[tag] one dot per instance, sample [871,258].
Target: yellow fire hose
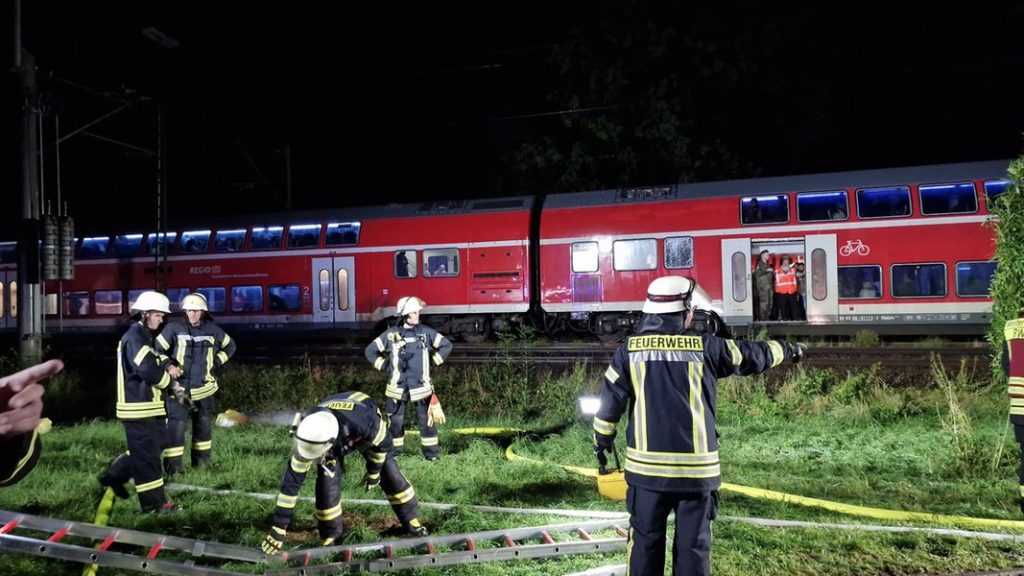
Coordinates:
[102,519]
[613,487]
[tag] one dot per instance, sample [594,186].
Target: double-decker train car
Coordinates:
[902,250]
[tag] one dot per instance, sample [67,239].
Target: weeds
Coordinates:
[866,339]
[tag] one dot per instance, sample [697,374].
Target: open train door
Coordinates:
[737,299]
[334,291]
[8,299]
[822,279]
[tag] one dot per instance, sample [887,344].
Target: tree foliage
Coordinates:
[635,86]
[1008,283]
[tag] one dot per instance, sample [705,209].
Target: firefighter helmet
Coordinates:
[316,434]
[669,294]
[194,302]
[408,305]
[151,300]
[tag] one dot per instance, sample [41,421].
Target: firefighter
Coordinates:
[142,377]
[197,346]
[666,375]
[1013,367]
[21,405]
[405,353]
[341,423]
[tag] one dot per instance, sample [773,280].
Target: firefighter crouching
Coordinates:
[405,353]
[1013,367]
[141,381]
[197,346]
[666,375]
[344,422]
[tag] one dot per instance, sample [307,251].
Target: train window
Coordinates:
[405,264]
[342,234]
[76,303]
[283,297]
[108,302]
[176,295]
[343,289]
[974,278]
[679,252]
[764,209]
[8,252]
[303,236]
[93,248]
[889,202]
[948,198]
[127,245]
[860,281]
[819,268]
[216,298]
[14,299]
[51,304]
[325,290]
[229,241]
[247,299]
[918,280]
[268,238]
[635,254]
[163,242]
[441,263]
[585,256]
[194,242]
[739,276]
[995,188]
[818,206]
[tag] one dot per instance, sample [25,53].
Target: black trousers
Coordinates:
[648,519]
[202,433]
[428,434]
[399,491]
[788,306]
[1018,432]
[146,438]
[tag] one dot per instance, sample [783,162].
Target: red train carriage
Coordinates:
[327,269]
[901,250]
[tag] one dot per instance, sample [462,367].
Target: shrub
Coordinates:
[866,339]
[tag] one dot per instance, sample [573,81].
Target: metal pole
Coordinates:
[56,159]
[159,189]
[288,178]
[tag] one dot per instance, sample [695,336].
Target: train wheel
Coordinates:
[611,327]
[474,329]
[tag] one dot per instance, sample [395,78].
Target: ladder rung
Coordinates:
[155,549]
[546,537]
[621,532]
[509,541]
[470,545]
[584,535]
[348,555]
[106,543]
[9,526]
[59,534]
[430,548]
[389,551]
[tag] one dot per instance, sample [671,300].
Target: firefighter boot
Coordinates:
[119,488]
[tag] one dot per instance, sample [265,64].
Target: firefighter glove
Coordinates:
[799,351]
[371,481]
[275,538]
[604,442]
[181,395]
[435,415]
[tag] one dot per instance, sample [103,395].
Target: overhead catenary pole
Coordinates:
[25,298]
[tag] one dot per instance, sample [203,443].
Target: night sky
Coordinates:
[388,103]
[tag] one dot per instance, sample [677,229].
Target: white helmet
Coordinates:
[151,300]
[408,305]
[194,302]
[316,434]
[668,294]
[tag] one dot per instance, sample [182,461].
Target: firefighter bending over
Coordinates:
[344,422]
[405,353]
[197,346]
[666,375]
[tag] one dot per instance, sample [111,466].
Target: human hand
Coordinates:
[21,398]
[799,351]
[174,371]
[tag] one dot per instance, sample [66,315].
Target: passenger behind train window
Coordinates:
[229,241]
[194,242]
[303,236]
[819,206]
[765,209]
[948,198]
[342,234]
[216,298]
[162,243]
[94,248]
[853,281]
[887,202]
[441,262]
[405,264]
[268,238]
[247,299]
[285,297]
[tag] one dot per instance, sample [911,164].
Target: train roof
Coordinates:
[989,169]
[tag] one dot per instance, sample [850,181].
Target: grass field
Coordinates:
[946,449]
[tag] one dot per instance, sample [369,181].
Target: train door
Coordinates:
[822,279]
[8,299]
[737,299]
[334,290]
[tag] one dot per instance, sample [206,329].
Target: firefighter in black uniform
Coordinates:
[21,405]
[666,376]
[1013,367]
[197,346]
[405,353]
[142,378]
[341,423]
